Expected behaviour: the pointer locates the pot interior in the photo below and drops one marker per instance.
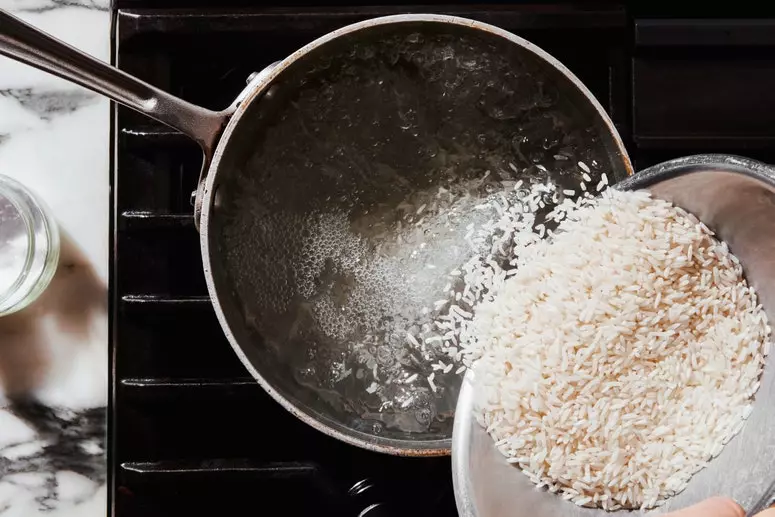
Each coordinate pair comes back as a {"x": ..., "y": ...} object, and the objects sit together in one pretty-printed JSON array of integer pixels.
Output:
[{"x": 329, "y": 234}]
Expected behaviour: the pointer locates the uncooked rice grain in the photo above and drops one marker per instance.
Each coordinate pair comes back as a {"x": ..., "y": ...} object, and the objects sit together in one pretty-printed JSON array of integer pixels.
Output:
[{"x": 621, "y": 356}]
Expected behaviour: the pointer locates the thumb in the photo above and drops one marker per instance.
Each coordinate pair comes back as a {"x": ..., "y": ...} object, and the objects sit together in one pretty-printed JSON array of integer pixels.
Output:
[
  {"x": 770, "y": 512},
  {"x": 713, "y": 507}
]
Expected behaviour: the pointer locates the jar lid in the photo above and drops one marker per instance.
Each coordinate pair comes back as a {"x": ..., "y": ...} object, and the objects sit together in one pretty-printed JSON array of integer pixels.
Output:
[{"x": 15, "y": 244}]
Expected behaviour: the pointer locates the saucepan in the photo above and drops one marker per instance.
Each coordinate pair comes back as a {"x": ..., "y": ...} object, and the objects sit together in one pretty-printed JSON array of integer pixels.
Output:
[
  {"x": 734, "y": 196},
  {"x": 320, "y": 200}
]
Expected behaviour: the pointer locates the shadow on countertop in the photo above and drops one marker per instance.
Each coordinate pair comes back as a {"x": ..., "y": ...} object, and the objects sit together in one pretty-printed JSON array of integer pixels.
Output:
[
  {"x": 66, "y": 439},
  {"x": 75, "y": 300}
]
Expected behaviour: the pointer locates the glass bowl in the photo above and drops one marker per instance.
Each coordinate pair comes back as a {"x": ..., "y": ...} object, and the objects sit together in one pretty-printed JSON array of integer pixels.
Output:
[{"x": 29, "y": 246}]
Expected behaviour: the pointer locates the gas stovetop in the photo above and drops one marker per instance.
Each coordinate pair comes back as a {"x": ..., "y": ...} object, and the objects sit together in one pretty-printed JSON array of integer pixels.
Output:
[{"x": 191, "y": 433}]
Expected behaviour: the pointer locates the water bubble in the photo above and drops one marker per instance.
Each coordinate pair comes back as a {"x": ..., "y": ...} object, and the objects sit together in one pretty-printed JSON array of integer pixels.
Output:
[
  {"x": 384, "y": 355},
  {"x": 423, "y": 416}
]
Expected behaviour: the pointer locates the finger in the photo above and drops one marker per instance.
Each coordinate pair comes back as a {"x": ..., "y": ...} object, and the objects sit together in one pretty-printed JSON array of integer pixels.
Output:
[
  {"x": 770, "y": 512},
  {"x": 713, "y": 507}
]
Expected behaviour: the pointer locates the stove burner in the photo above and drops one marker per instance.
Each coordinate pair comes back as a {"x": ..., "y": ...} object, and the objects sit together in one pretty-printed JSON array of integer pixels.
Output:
[{"x": 191, "y": 432}]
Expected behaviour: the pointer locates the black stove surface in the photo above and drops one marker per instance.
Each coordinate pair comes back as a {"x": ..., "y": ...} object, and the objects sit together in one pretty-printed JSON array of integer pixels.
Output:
[{"x": 192, "y": 434}]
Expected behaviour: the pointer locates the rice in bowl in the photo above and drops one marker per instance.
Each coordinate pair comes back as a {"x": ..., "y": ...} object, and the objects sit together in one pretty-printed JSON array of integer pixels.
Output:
[{"x": 621, "y": 355}]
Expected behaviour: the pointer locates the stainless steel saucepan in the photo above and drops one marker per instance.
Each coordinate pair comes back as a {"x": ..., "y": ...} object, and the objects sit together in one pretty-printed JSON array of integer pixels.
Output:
[{"x": 326, "y": 202}]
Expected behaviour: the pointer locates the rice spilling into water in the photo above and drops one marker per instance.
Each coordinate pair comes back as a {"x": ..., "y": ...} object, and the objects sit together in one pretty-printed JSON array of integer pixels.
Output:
[{"x": 621, "y": 354}]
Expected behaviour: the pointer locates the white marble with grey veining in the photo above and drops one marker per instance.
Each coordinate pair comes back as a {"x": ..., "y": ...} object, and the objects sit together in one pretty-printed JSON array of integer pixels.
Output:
[{"x": 54, "y": 138}]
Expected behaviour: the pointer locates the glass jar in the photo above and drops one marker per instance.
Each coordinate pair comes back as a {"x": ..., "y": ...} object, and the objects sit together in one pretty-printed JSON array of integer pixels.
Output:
[{"x": 29, "y": 246}]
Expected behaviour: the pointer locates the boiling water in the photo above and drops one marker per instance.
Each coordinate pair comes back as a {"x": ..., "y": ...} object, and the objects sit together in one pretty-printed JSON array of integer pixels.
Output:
[{"x": 342, "y": 228}]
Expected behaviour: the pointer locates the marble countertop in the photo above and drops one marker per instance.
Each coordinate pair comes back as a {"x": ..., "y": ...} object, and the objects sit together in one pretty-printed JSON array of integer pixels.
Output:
[{"x": 54, "y": 138}]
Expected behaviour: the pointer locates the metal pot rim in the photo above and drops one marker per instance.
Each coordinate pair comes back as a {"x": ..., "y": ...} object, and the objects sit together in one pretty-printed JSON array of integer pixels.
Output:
[{"x": 688, "y": 164}]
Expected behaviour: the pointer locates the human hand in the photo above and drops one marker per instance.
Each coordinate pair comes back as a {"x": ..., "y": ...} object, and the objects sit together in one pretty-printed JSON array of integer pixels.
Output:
[{"x": 717, "y": 507}]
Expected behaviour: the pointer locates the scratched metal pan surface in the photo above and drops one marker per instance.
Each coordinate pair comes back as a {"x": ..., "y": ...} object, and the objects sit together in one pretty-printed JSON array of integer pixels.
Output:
[
  {"x": 735, "y": 197},
  {"x": 318, "y": 211}
]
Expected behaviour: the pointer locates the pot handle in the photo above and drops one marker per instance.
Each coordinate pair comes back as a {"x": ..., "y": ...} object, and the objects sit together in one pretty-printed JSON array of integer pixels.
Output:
[{"x": 25, "y": 43}]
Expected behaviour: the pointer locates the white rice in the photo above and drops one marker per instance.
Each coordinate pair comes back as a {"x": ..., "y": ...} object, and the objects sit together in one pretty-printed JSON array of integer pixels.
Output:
[
  {"x": 621, "y": 355},
  {"x": 431, "y": 383}
]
